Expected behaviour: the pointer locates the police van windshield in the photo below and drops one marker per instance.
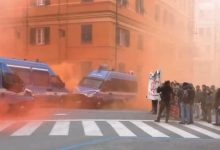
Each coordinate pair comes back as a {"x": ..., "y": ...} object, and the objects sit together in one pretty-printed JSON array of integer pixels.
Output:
[{"x": 91, "y": 83}]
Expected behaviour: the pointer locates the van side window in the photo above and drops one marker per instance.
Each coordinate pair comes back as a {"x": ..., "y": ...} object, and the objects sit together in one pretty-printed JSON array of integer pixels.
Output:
[
  {"x": 120, "y": 85},
  {"x": 56, "y": 82},
  {"x": 40, "y": 78},
  {"x": 11, "y": 81},
  {"x": 23, "y": 73}
]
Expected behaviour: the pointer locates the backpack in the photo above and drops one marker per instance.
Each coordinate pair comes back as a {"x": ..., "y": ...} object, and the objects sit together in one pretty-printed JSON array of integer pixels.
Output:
[{"x": 185, "y": 95}]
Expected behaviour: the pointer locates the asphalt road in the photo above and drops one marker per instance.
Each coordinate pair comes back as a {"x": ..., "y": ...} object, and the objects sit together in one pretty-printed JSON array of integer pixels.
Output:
[{"x": 65, "y": 129}]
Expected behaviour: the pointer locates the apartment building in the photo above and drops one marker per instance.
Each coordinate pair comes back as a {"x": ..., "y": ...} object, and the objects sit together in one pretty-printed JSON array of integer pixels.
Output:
[{"x": 79, "y": 35}]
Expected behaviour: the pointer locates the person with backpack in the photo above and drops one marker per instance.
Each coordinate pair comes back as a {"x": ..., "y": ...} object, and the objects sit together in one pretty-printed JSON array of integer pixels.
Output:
[
  {"x": 209, "y": 103},
  {"x": 185, "y": 104},
  {"x": 203, "y": 102}
]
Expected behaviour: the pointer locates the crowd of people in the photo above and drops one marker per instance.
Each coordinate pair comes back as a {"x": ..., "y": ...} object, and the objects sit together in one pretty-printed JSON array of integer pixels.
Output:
[{"x": 193, "y": 102}]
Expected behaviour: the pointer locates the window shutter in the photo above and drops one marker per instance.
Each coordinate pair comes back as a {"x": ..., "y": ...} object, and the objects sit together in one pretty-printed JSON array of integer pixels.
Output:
[
  {"x": 125, "y": 2},
  {"x": 137, "y": 5},
  {"x": 33, "y": 36},
  {"x": 33, "y": 2},
  {"x": 117, "y": 36},
  {"x": 142, "y": 6},
  {"x": 127, "y": 38},
  {"x": 47, "y": 2},
  {"x": 47, "y": 35}
]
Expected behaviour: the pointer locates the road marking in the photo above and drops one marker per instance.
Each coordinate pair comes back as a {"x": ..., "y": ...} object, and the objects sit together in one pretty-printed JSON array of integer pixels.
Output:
[
  {"x": 176, "y": 130},
  {"x": 91, "y": 128},
  {"x": 4, "y": 125},
  {"x": 60, "y": 128},
  {"x": 121, "y": 129},
  {"x": 28, "y": 129},
  {"x": 148, "y": 129},
  {"x": 209, "y": 125},
  {"x": 204, "y": 131},
  {"x": 60, "y": 114}
]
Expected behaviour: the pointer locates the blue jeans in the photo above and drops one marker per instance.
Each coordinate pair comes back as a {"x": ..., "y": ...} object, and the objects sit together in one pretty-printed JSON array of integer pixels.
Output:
[{"x": 185, "y": 112}]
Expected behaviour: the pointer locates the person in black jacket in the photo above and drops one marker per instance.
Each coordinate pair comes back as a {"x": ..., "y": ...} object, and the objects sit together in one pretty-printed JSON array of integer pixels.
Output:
[
  {"x": 166, "y": 93},
  {"x": 216, "y": 106}
]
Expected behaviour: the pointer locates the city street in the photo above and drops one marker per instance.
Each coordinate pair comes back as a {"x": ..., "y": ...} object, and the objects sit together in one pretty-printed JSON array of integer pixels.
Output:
[{"x": 66, "y": 129}]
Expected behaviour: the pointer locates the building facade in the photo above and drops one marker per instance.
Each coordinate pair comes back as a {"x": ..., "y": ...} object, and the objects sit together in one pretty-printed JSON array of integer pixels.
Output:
[
  {"x": 76, "y": 36},
  {"x": 204, "y": 53}
]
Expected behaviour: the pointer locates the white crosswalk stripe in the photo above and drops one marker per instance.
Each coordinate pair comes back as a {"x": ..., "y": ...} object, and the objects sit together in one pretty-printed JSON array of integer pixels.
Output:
[
  {"x": 61, "y": 128},
  {"x": 28, "y": 129},
  {"x": 148, "y": 129},
  {"x": 4, "y": 125},
  {"x": 209, "y": 125},
  {"x": 121, "y": 129},
  {"x": 178, "y": 131},
  {"x": 204, "y": 131},
  {"x": 91, "y": 128}
]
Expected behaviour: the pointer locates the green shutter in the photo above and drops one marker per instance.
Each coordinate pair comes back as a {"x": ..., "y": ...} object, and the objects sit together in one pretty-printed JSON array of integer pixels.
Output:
[
  {"x": 47, "y": 35},
  {"x": 47, "y": 2},
  {"x": 32, "y": 36}
]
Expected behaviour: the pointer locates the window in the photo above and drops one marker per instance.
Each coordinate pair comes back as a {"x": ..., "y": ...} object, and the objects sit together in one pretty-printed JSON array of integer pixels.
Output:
[
  {"x": 123, "y": 37},
  {"x": 140, "y": 6},
  {"x": 122, "y": 2},
  {"x": 43, "y": 76},
  {"x": 23, "y": 73},
  {"x": 91, "y": 83},
  {"x": 125, "y": 85},
  {"x": 40, "y": 36},
  {"x": 42, "y": 2},
  {"x": 140, "y": 42},
  {"x": 86, "y": 33}
]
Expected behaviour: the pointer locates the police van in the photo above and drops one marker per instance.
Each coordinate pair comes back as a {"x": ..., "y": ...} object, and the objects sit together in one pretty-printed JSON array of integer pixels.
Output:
[
  {"x": 13, "y": 94},
  {"x": 103, "y": 87},
  {"x": 39, "y": 78}
]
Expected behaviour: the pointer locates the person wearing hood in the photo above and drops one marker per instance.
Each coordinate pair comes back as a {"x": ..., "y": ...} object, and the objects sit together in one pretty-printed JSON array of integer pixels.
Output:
[{"x": 166, "y": 94}]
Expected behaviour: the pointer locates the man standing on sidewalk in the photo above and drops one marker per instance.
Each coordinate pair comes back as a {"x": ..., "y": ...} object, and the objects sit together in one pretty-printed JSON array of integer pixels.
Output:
[
  {"x": 166, "y": 93},
  {"x": 197, "y": 102}
]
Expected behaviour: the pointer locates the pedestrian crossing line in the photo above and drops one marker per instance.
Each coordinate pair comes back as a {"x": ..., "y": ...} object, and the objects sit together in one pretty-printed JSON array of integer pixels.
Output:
[
  {"x": 178, "y": 131},
  {"x": 27, "y": 129},
  {"x": 60, "y": 128},
  {"x": 4, "y": 125},
  {"x": 121, "y": 129},
  {"x": 148, "y": 129},
  {"x": 91, "y": 128},
  {"x": 204, "y": 131},
  {"x": 209, "y": 125}
]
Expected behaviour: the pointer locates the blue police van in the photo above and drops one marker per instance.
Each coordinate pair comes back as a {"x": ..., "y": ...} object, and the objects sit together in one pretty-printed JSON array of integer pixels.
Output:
[
  {"x": 39, "y": 78},
  {"x": 13, "y": 95},
  {"x": 101, "y": 87}
]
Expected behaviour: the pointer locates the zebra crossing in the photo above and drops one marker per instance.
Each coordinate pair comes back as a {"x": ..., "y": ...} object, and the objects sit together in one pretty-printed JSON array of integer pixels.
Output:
[{"x": 121, "y": 128}]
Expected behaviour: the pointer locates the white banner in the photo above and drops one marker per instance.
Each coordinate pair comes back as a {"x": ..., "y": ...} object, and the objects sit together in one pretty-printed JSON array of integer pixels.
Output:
[{"x": 153, "y": 83}]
